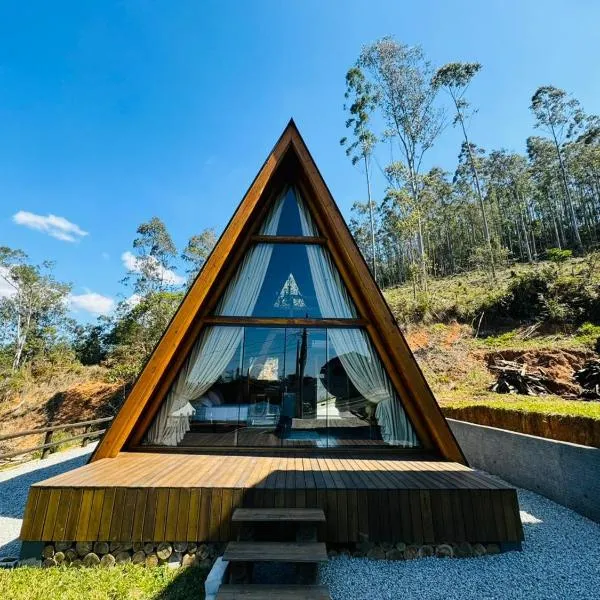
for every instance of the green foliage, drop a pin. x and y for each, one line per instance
(546, 295)
(589, 334)
(565, 295)
(136, 329)
(197, 250)
(34, 315)
(556, 255)
(89, 343)
(547, 405)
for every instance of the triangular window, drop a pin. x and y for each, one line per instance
(287, 280)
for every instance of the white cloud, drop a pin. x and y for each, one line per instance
(91, 302)
(133, 300)
(5, 288)
(132, 263)
(58, 227)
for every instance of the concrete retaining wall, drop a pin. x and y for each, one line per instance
(566, 473)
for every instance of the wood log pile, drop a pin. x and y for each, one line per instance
(149, 554)
(513, 378)
(589, 379)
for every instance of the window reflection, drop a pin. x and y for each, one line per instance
(277, 386)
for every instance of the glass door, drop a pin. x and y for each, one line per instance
(304, 414)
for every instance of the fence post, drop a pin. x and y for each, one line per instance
(85, 440)
(47, 440)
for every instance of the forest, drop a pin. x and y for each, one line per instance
(498, 211)
(497, 207)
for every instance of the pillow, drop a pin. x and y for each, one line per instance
(215, 397)
(202, 401)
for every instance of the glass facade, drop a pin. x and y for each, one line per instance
(284, 386)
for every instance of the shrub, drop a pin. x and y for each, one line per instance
(557, 255)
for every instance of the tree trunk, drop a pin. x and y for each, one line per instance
(479, 194)
(372, 218)
(563, 172)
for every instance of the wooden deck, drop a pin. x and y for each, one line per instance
(191, 497)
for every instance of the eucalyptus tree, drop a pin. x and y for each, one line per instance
(509, 178)
(151, 268)
(140, 320)
(455, 79)
(400, 77)
(360, 104)
(196, 252)
(543, 167)
(33, 309)
(562, 117)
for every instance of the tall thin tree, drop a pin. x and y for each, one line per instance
(362, 102)
(561, 117)
(455, 79)
(401, 80)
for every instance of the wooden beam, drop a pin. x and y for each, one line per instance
(288, 239)
(283, 322)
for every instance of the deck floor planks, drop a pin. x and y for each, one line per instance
(144, 496)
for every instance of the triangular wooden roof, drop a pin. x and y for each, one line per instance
(289, 162)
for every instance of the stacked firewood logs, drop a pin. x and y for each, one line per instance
(513, 378)
(108, 554)
(589, 379)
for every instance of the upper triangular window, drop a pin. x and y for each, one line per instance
(289, 216)
(287, 280)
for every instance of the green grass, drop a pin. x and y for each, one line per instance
(547, 405)
(464, 296)
(130, 582)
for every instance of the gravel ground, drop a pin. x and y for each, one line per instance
(14, 486)
(560, 559)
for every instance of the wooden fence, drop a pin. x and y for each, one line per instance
(48, 446)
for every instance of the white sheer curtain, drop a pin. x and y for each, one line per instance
(368, 376)
(353, 347)
(332, 296)
(216, 346)
(208, 358)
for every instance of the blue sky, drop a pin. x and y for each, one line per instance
(113, 112)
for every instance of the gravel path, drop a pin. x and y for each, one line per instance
(14, 486)
(560, 559)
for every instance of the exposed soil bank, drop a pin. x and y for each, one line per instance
(577, 430)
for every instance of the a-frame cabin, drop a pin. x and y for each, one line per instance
(284, 381)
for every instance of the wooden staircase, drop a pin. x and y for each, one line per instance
(304, 552)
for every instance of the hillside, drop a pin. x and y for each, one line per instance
(538, 315)
(544, 316)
